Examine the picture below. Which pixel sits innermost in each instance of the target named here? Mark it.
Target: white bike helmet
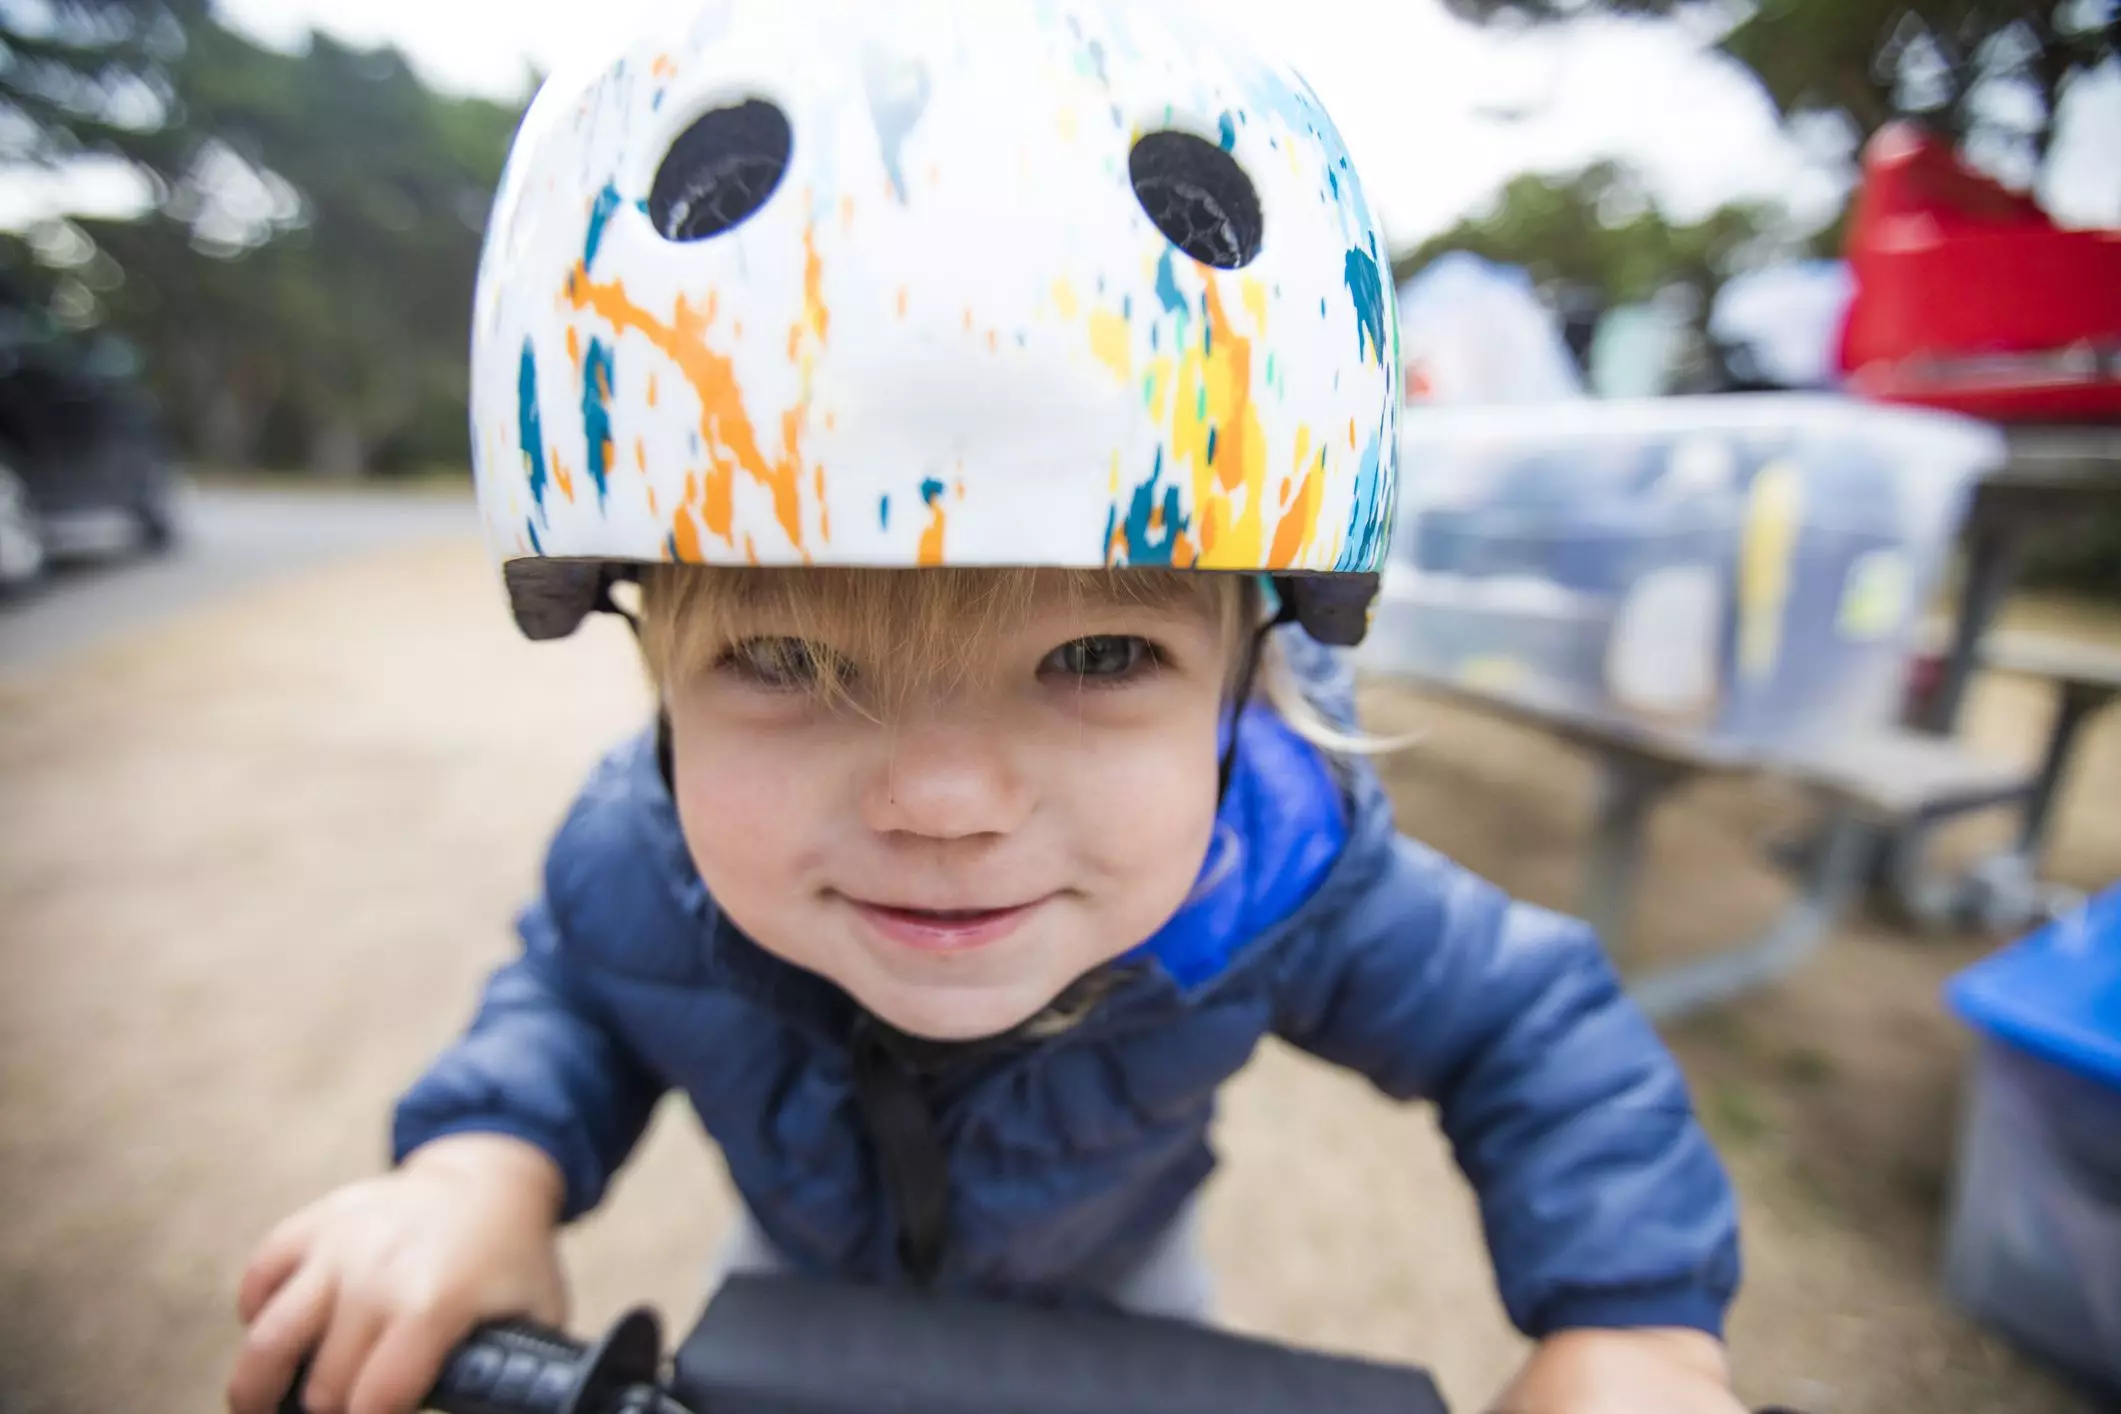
(934, 282)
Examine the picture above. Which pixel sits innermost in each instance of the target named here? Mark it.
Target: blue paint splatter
(1366, 286)
(932, 492)
(1126, 308)
(670, 547)
(1173, 300)
(883, 514)
(898, 91)
(537, 546)
(656, 105)
(1375, 490)
(1211, 446)
(1229, 130)
(530, 430)
(1334, 178)
(599, 378)
(1142, 547)
(1167, 287)
(599, 216)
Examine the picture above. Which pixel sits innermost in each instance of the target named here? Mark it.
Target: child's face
(955, 856)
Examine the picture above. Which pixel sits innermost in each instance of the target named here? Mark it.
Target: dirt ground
(253, 866)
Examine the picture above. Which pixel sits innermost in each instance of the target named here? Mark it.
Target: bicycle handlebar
(785, 1345)
(781, 1345)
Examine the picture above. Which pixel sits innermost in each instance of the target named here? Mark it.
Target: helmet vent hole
(721, 171)
(1199, 197)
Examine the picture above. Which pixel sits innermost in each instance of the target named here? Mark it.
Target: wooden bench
(1870, 786)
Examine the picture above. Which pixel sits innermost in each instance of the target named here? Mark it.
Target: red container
(1969, 298)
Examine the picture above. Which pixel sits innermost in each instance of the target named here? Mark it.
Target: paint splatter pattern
(954, 302)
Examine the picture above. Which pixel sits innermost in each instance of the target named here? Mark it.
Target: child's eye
(1102, 658)
(791, 664)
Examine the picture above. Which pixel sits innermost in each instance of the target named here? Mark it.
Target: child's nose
(947, 779)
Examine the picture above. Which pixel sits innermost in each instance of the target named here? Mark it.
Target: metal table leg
(1836, 874)
(1628, 789)
(2078, 703)
(1995, 546)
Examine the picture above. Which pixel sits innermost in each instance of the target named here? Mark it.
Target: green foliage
(303, 287)
(1597, 229)
(1872, 60)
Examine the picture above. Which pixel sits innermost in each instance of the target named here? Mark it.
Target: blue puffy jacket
(1603, 1202)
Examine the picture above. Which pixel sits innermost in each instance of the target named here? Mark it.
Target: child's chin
(955, 1013)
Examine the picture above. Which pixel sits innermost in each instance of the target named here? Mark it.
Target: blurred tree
(302, 284)
(1949, 61)
(1597, 229)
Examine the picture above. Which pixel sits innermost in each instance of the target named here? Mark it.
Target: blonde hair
(927, 623)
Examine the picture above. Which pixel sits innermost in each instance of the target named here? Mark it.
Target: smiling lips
(944, 930)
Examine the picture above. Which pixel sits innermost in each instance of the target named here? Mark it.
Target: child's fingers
(406, 1362)
(277, 1259)
(279, 1340)
(336, 1366)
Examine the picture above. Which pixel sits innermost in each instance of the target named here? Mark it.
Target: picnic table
(2051, 477)
(1868, 784)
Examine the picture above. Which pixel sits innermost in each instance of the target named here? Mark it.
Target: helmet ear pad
(550, 598)
(1333, 609)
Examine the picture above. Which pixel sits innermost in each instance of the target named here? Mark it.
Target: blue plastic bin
(2034, 1247)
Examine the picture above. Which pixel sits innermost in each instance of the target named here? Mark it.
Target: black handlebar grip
(514, 1367)
(511, 1368)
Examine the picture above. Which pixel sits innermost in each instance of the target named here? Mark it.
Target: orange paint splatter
(1351, 434)
(562, 476)
(725, 425)
(574, 347)
(751, 549)
(685, 533)
(640, 454)
(904, 296)
(846, 213)
(931, 551)
(968, 319)
(994, 342)
(818, 480)
(651, 390)
(832, 423)
(652, 509)
(1298, 522)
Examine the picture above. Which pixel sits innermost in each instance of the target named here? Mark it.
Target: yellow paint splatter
(1064, 298)
(1110, 342)
(1067, 124)
(1115, 473)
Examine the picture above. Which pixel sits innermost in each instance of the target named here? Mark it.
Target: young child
(996, 401)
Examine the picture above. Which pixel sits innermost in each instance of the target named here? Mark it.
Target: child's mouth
(943, 930)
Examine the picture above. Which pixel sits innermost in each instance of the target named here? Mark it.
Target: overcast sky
(1439, 115)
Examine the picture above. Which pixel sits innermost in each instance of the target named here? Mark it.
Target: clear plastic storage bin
(1749, 568)
(2034, 1247)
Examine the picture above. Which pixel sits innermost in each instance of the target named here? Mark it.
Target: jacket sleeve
(1603, 1203)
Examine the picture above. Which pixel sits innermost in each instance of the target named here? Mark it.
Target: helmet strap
(1247, 678)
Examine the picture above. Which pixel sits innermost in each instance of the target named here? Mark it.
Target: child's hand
(382, 1278)
(1624, 1372)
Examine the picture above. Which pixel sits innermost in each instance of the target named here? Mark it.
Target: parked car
(84, 465)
